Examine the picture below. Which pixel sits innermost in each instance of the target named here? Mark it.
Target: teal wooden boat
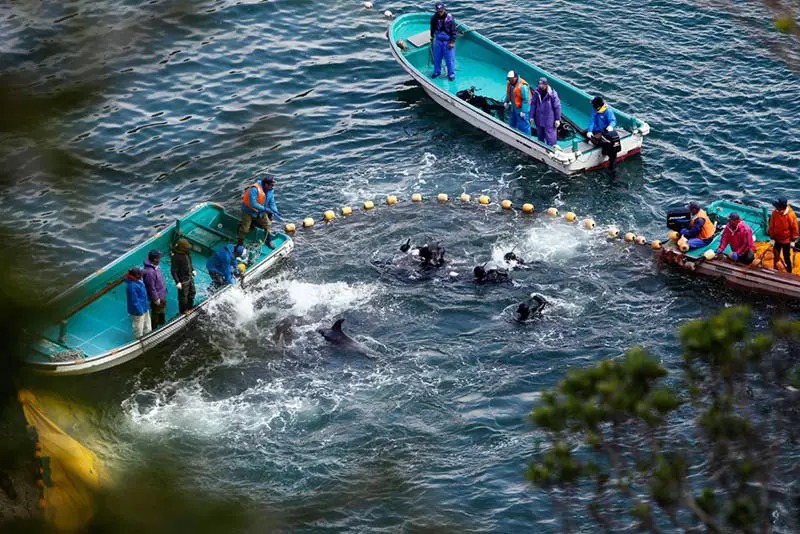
(482, 64)
(93, 329)
(761, 276)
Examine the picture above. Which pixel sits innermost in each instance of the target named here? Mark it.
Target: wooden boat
(482, 65)
(92, 330)
(760, 277)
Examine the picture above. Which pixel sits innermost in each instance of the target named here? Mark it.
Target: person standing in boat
(443, 41)
(783, 232)
(518, 98)
(156, 289)
(259, 208)
(701, 230)
(739, 236)
(223, 264)
(183, 274)
(546, 112)
(137, 303)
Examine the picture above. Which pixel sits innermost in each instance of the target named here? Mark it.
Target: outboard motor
(678, 219)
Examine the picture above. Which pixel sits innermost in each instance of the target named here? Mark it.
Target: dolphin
(533, 307)
(335, 336)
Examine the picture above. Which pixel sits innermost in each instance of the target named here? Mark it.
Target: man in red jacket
(783, 231)
(740, 237)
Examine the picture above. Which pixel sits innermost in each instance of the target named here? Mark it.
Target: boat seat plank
(420, 39)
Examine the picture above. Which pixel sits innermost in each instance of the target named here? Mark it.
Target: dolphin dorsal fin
(337, 326)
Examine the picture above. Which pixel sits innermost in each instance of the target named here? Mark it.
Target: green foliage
(610, 425)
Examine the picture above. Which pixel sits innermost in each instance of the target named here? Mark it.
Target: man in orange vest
(259, 208)
(783, 231)
(701, 230)
(518, 98)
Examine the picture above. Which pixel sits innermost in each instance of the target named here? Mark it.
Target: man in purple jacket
(443, 41)
(546, 112)
(156, 289)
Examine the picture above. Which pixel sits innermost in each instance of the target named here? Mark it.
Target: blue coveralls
(443, 32)
(517, 122)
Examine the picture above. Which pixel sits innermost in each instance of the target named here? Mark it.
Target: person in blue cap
(546, 112)
(443, 41)
(136, 294)
(223, 264)
(259, 208)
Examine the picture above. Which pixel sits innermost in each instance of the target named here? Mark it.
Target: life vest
(262, 196)
(518, 92)
(708, 228)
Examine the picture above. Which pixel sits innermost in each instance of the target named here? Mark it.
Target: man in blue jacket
(137, 303)
(443, 41)
(602, 119)
(259, 208)
(223, 264)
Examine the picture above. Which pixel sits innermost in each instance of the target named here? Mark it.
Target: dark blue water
(193, 104)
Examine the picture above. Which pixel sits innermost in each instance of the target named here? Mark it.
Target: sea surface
(195, 98)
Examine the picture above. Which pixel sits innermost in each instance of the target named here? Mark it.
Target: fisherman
(443, 39)
(156, 289)
(783, 232)
(183, 274)
(601, 132)
(259, 208)
(223, 264)
(739, 236)
(137, 303)
(518, 98)
(546, 112)
(701, 230)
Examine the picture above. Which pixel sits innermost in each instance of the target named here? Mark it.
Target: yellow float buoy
(484, 199)
(242, 267)
(465, 197)
(709, 255)
(683, 244)
(442, 197)
(290, 227)
(416, 197)
(527, 208)
(552, 212)
(347, 210)
(674, 236)
(656, 244)
(630, 236)
(570, 216)
(368, 205)
(613, 232)
(640, 240)
(329, 215)
(391, 199)
(308, 222)
(589, 224)
(506, 204)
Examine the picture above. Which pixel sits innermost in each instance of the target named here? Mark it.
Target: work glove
(507, 105)
(734, 256)
(588, 135)
(194, 273)
(683, 231)
(179, 285)
(558, 123)
(609, 128)
(521, 114)
(772, 242)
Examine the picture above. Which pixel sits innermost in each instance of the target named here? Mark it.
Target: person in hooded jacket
(223, 264)
(153, 279)
(443, 41)
(137, 303)
(546, 112)
(783, 231)
(183, 274)
(739, 236)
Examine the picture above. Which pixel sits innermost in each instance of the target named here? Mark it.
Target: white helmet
(511, 75)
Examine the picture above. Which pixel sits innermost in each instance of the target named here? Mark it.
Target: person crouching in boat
(601, 132)
(701, 230)
(783, 232)
(137, 303)
(153, 279)
(223, 264)
(518, 99)
(546, 112)
(740, 237)
(443, 41)
(183, 274)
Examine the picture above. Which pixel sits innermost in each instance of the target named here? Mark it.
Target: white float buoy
(367, 5)
(387, 14)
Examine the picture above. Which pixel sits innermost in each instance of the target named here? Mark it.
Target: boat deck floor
(105, 324)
